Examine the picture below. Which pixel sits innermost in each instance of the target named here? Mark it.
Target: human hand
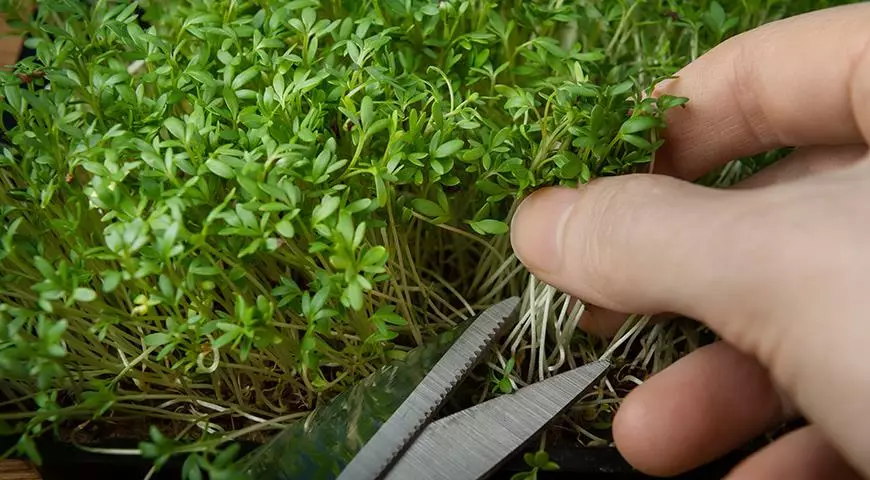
(779, 266)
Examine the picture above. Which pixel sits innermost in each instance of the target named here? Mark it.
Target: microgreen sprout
(218, 215)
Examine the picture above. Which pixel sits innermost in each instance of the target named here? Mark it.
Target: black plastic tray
(62, 461)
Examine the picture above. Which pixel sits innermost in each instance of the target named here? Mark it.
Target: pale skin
(778, 266)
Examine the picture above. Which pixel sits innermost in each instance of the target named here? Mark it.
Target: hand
(779, 267)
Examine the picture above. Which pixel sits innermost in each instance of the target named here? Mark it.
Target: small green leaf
(430, 9)
(285, 228)
(219, 168)
(375, 256)
(149, 450)
(529, 458)
(639, 124)
(353, 296)
(366, 112)
(84, 295)
(28, 447)
(245, 77)
(175, 127)
(448, 148)
(190, 470)
(427, 207)
(224, 339)
(491, 227)
(328, 206)
(111, 281)
(157, 339)
(638, 142)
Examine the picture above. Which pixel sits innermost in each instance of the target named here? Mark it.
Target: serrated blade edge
(472, 443)
(429, 395)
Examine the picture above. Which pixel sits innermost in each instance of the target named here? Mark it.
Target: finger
(705, 405)
(771, 87)
(806, 162)
(630, 244)
(802, 163)
(733, 260)
(800, 455)
(601, 321)
(606, 323)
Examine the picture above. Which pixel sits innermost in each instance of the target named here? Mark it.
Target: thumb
(634, 243)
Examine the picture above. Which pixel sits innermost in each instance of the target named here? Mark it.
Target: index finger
(801, 81)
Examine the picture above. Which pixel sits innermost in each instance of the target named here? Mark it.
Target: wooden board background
(10, 48)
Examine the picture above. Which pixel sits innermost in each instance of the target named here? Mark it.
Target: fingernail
(537, 228)
(662, 87)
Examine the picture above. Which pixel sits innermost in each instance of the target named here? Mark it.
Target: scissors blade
(402, 427)
(470, 444)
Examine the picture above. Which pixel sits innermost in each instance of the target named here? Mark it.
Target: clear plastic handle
(319, 446)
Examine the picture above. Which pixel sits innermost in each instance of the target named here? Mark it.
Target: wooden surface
(10, 46)
(18, 470)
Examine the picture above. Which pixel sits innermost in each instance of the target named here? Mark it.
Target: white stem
(560, 336)
(542, 359)
(533, 308)
(615, 345)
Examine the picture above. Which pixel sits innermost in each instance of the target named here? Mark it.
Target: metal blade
(429, 395)
(470, 444)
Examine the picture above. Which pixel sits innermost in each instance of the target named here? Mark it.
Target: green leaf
(638, 142)
(666, 102)
(427, 207)
(285, 228)
(219, 168)
(84, 295)
(190, 470)
(366, 112)
(224, 340)
(175, 127)
(621, 88)
(639, 124)
(378, 126)
(149, 450)
(375, 256)
(245, 77)
(157, 339)
(111, 280)
(448, 148)
(529, 458)
(309, 16)
(45, 268)
(430, 10)
(27, 446)
(491, 227)
(359, 205)
(225, 457)
(353, 296)
(328, 206)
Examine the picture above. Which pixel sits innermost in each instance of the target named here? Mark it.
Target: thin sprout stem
(620, 340)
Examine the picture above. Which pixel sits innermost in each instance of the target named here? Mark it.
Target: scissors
(472, 443)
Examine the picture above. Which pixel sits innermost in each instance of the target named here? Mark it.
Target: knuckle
(747, 93)
(606, 225)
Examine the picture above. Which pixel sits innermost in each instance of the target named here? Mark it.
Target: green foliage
(539, 462)
(502, 383)
(246, 206)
